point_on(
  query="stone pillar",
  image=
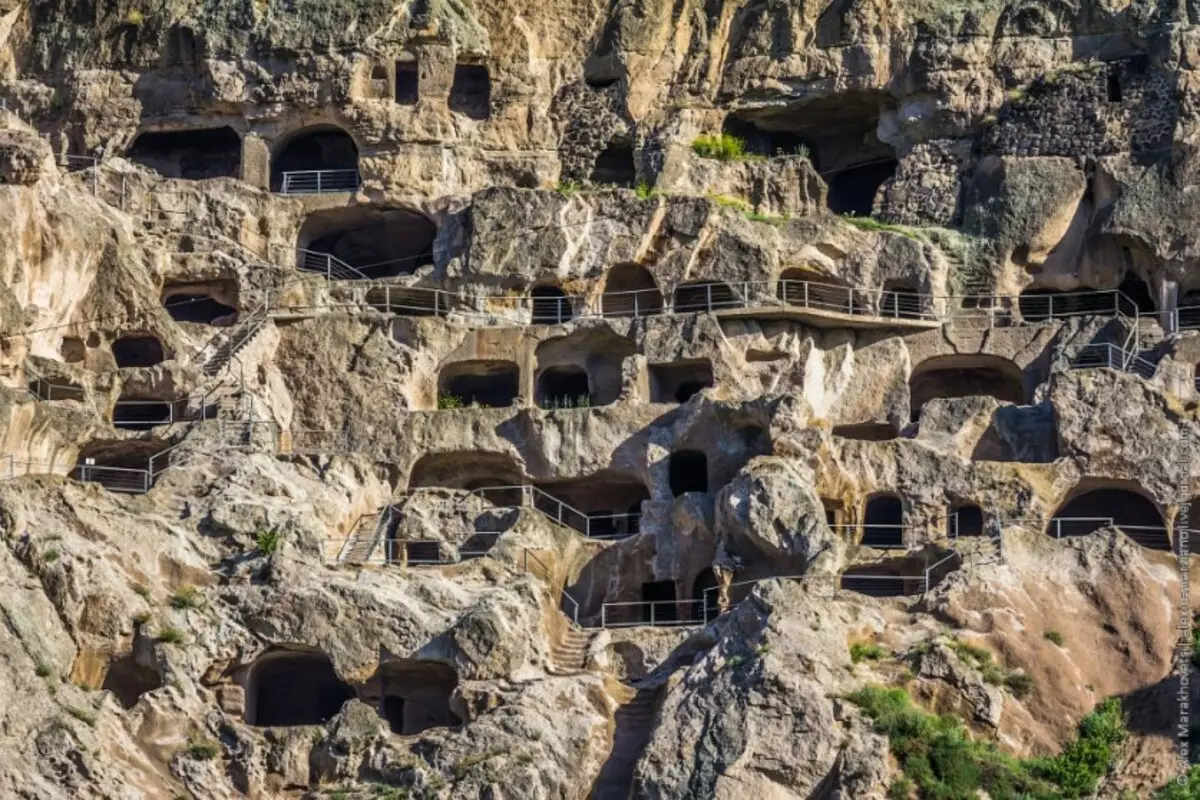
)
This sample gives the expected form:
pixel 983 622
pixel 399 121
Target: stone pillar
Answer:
pixel 724 579
pixel 256 161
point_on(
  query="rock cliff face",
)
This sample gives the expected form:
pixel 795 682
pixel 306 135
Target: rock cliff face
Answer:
pixel 596 400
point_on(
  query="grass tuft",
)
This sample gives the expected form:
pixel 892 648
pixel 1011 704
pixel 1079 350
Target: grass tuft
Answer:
pixel 187 597
pixel 720 146
pixel 267 542
pixel 170 635
pixel 866 651
pixel 201 749
pixel 1055 637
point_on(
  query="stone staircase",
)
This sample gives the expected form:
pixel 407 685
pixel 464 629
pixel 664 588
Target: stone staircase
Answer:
pixel 235 342
pixel 634 725
pixel 361 543
pixel 569 654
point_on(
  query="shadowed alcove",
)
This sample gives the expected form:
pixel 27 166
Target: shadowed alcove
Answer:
pixel 375 242
pixel 965 376
pixel 492 384
pixel 290 687
pixel 190 154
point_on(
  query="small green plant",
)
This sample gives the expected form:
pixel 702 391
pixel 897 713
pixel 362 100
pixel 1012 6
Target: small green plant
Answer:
pixel 58 100
pixel 1019 684
pixel 736 661
pixel 1015 95
pixel 142 591
pixel 866 651
pixel 187 597
pixel 720 146
pixel 900 789
pixel 568 187
pixel 83 715
pixel 141 618
pixel 645 191
pixel 170 635
pixel 135 18
pixel 43 670
pixel 971 654
pixel 51 555
pixel 769 219
pixel 267 542
pixel 802 151
pixel 1055 637
pixel 448 401
pixel 762 649
pixel 869 224
pixel 464 766
pixel 201 749
pixel 1186 789
pixel 729 201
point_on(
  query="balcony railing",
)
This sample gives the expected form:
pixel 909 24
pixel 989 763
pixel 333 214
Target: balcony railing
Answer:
pixel 319 181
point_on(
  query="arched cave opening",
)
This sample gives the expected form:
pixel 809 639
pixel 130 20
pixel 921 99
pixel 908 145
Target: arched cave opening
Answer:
pixel 964 376
pixel 199 307
pixel 679 381
pixel 687 471
pixel 800 287
pixel 129 680
pixel 180 50
pixel 466 469
pixel 366 242
pixel 704 595
pixel 615 165
pixel 883 522
pixel 289 688
pixel 195 154
pixel 416 696
pixel 471 92
pixel 852 190
pixel 491 384
pixel 630 291
pixel 1136 515
pixel 323 149
pixel 549 305
pixel 703 296
pixel 608 505
pixel 966 519
pixel 901 300
pixel 1137 291
pixel 136 414
pixel 138 351
pixel 563 387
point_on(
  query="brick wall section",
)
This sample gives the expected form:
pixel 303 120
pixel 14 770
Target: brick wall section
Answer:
pixel 927 186
pixel 1071 114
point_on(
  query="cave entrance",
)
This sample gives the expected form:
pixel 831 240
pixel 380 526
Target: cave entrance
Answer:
pixel 196 303
pixel 289 688
pixel 964 376
pixel 491 384
pixel 897 579
pixel 658 599
pixel 563 387
pixel 630 291
pixel 129 680
pixel 867 431
pixel 471 92
pixel 361 242
pixel 679 381
pixel 466 469
pixel 138 351
pixel 180 50
pixel 408 83
pixel 704 595
pixel 966 520
pixel 416 696
pixel 1137 291
pixel 1136 515
pixel 190 154
pixel 853 190
pixel 687 471
pixel 703 296
pixel 883 522
pixel 316 160
pixel 615 165
pixel 550 305
pixel 600 506
pixel 800 287
pixel 133 414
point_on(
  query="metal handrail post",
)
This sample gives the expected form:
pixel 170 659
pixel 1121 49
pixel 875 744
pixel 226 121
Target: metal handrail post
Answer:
pixel 708 295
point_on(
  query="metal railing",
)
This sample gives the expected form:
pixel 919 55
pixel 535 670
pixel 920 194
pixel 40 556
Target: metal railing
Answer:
pixel 876 532
pixel 633 303
pixel 126 480
pixel 1105 355
pixel 593 526
pixel 436 552
pixel 312 441
pixel 653 613
pixel 48 390
pixel 526 556
pixel 327 264
pixel 319 181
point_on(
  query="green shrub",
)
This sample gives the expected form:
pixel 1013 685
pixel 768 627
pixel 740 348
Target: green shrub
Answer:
pixel 267 542
pixel 645 191
pixel 449 401
pixel 900 789
pixel 866 651
pixel 942 761
pixel 201 750
pixel 43 670
pixel 187 597
pixel 141 618
pixel 1019 684
pixel 720 146
pixel 568 187
pixel 1188 789
pixel 868 224
pixel 971 654
pixel 769 219
pixel 51 555
pixel 170 635
pixel 729 201
pixel 135 18
pixel 142 591
pixel 1055 637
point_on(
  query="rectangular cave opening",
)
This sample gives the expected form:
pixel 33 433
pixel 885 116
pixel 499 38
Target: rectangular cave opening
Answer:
pixel 679 381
